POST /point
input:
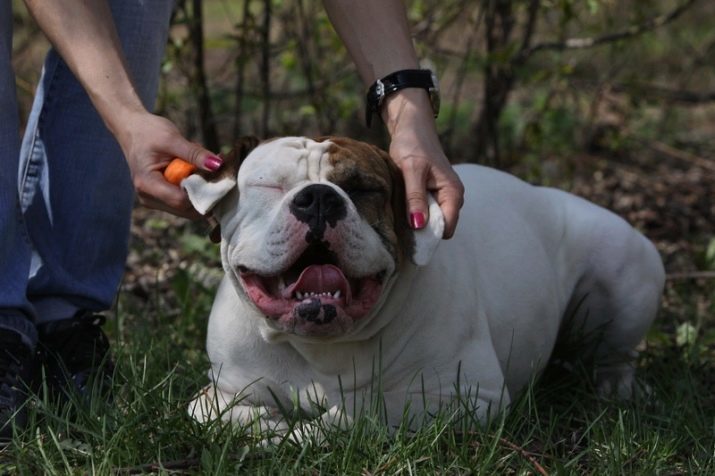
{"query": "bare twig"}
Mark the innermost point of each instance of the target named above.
(427, 32)
(24, 85)
(245, 31)
(691, 275)
(177, 465)
(266, 65)
(668, 94)
(306, 56)
(461, 76)
(630, 32)
(500, 76)
(525, 454)
(533, 15)
(189, 464)
(199, 83)
(522, 452)
(23, 47)
(682, 155)
(322, 86)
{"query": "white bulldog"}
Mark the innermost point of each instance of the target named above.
(329, 297)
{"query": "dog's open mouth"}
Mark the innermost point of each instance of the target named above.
(313, 296)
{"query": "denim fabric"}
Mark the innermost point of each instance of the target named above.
(66, 248)
(14, 242)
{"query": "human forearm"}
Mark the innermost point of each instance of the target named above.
(377, 36)
(84, 34)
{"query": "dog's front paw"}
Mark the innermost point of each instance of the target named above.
(212, 404)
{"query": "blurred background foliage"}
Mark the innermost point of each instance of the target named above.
(613, 100)
(519, 78)
(522, 78)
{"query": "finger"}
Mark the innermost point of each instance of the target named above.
(450, 199)
(414, 172)
(450, 210)
(197, 155)
(155, 192)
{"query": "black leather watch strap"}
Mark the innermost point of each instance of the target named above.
(406, 78)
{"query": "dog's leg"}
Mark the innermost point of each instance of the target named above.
(616, 302)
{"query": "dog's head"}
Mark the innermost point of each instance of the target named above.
(313, 232)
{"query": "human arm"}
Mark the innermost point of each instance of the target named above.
(377, 36)
(83, 33)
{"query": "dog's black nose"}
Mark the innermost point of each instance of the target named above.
(318, 205)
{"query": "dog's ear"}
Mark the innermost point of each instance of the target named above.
(428, 238)
(242, 147)
(206, 189)
(205, 193)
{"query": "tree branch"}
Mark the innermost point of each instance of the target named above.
(266, 65)
(245, 30)
(461, 76)
(198, 81)
(533, 14)
(691, 275)
(630, 32)
(668, 94)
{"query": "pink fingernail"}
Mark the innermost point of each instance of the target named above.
(213, 163)
(417, 220)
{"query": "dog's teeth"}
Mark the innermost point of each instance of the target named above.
(313, 294)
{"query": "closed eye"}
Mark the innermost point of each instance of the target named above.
(360, 185)
(267, 186)
(358, 193)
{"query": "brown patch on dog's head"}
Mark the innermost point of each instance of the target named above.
(233, 159)
(376, 187)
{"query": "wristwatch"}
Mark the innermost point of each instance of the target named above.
(406, 78)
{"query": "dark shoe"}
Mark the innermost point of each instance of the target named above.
(16, 366)
(75, 356)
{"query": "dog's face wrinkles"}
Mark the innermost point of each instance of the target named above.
(315, 233)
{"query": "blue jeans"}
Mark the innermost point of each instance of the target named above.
(65, 190)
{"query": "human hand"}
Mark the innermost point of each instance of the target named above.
(149, 143)
(416, 150)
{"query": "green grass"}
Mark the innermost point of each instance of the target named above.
(558, 426)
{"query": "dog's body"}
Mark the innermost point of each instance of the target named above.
(480, 318)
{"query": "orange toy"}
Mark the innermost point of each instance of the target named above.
(177, 170)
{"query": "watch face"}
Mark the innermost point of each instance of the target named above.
(434, 94)
(435, 81)
(379, 91)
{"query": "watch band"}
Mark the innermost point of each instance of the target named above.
(406, 78)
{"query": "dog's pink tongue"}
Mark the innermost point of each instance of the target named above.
(322, 278)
